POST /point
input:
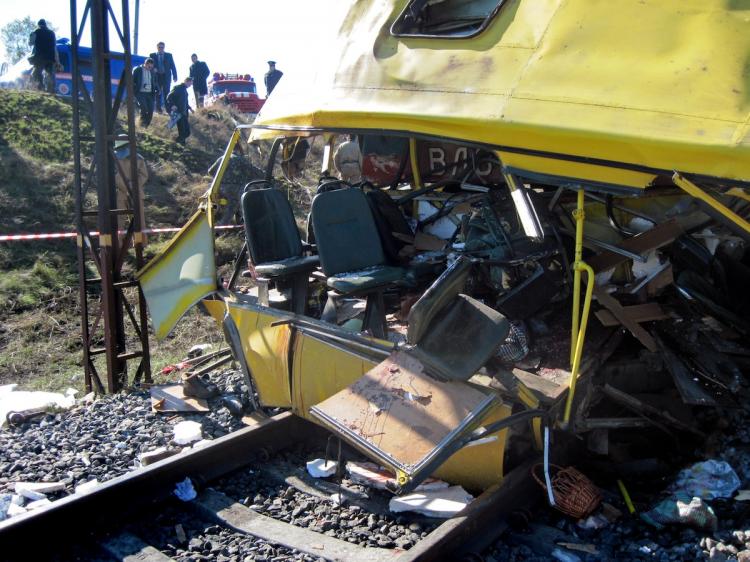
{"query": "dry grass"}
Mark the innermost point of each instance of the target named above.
(40, 333)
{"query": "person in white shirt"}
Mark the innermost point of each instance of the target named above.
(144, 85)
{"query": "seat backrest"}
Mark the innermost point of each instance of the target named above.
(270, 228)
(436, 298)
(345, 232)
(389, 219)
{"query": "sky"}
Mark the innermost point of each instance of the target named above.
(231, 36)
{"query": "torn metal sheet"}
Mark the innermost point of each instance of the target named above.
(169, 398)
(401, 417)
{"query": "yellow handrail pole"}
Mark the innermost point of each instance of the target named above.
(689, 187)
(579, 343)
(417, 183)
(580, 216)
(580, 322)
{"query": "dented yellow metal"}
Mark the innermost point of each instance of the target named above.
(591, 94)
(612, 92)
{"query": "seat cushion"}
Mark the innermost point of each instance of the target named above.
(365, 279)
(287, 266)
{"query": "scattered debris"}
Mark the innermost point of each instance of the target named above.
(150, 457)
(21, 405)
(682, 511)
(170, 398)
(707, 480)
(40, 487)
(320, 468)
(185, 491)
(443, 503)
(198, 350)
(86, 487)
(187, 432)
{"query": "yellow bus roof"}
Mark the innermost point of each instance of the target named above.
(654, 85)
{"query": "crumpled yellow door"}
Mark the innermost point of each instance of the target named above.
(181, 275)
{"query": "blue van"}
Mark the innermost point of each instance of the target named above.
(64, 83)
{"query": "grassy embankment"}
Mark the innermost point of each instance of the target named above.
(40, 343)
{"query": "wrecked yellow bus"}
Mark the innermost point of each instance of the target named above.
(480, 164)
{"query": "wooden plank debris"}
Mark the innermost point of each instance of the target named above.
(619, 312)
(646, 312)
(169, 398)
(661, 235)
(647, 410)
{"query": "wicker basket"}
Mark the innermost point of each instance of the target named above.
(574, 493)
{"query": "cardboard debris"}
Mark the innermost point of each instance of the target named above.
(169, 398)
(444, 503)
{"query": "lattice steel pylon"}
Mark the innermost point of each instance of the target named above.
(110, 237)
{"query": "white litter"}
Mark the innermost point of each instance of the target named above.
(22, 489)
(198, 349)
(86, 486)
(337, 499)
(320, 468)
(185, 491)
(443, 503)
(37, 504)
(186, 432)
(5, 500)
(22, 401)
(14, 510)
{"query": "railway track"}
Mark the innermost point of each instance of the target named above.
(120, 519)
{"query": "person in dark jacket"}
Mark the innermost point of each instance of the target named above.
(177, 103)
(199, 72)
(144, 85)
(272, 77)
(44, 56)
(165, 71)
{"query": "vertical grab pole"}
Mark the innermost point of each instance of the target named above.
(414, 159)
(580, 321)
(579, 215)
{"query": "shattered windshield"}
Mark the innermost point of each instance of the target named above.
(445, 18)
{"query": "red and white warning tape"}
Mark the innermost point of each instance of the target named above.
(56, 235)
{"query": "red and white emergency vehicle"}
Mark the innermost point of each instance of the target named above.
(235, 89)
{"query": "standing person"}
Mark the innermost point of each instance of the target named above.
(272, 77)
(144, 85)
(44, 56)
(177, 102)
(199, 73)
(348, 160)
(165, 72)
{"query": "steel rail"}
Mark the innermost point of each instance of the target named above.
(116, 501)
